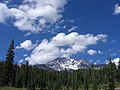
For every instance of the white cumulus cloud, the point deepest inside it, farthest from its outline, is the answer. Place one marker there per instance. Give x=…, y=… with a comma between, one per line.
x=117, y=9
x=27, y=45
x=91, y=52
x=63, y=45
x=33, y=15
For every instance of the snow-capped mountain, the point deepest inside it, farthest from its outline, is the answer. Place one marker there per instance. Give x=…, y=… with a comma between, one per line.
x=60, y=64
x=116, y=61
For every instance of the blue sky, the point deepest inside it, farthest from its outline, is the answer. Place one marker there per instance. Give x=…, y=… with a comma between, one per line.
x=49, y=19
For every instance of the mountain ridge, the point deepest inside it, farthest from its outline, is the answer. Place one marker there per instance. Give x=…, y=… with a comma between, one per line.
x=61, y=64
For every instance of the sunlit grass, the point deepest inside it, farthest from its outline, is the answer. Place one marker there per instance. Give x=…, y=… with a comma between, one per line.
x=11, y=88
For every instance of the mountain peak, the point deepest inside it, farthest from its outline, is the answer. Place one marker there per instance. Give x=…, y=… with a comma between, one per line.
x=60, y=64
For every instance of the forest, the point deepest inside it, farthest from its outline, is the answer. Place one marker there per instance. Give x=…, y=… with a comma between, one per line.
x=31, y=77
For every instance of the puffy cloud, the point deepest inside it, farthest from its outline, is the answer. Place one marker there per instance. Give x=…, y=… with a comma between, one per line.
x=33, y=15
x=91, y=52
x=74, y=39
x=44, y=53
x=117, y=10
x=4, y=13
x=26, y=45
x=62, y=45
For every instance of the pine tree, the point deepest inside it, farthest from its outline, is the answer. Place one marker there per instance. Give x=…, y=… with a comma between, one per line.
x=119, y=64
x=31, y=80
x=118, y=72
x=18, y=78
x=94, y=85
x=86, y=81
x=14, y=74
x=25, y=74
x=8, y=66
x=111, y=76
x=1, y=73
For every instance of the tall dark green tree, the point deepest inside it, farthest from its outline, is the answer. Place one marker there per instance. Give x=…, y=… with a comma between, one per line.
x=94, y=86
x=118, y=72
x=86, y=81
x=8, y=66
x=31, y=80
x=111, y=75
x=93, y=75
x=119, y=64
x=25, y=74
x=1, y=73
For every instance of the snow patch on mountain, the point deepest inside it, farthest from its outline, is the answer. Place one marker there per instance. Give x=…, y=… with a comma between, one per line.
x=60, y=64
x=116, y=61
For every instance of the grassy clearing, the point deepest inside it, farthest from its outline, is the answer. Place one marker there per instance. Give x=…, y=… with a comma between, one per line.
x=100, y=87
x=11, y=88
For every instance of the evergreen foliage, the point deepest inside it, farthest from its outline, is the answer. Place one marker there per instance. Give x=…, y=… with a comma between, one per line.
x=111, y=75
x=9, y=66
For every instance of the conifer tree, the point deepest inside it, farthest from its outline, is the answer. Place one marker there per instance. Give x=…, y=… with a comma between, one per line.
x=119, y=64
x=25, y=74
x=1, y=73
x=31, y=80
x=111, y=76
x=8, y=66
x=118, y=72
x=14, y=74
x=17, y=75
x=86, y=81
x=94, y=85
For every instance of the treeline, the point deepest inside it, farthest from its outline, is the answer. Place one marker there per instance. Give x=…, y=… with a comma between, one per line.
x=32, y=77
